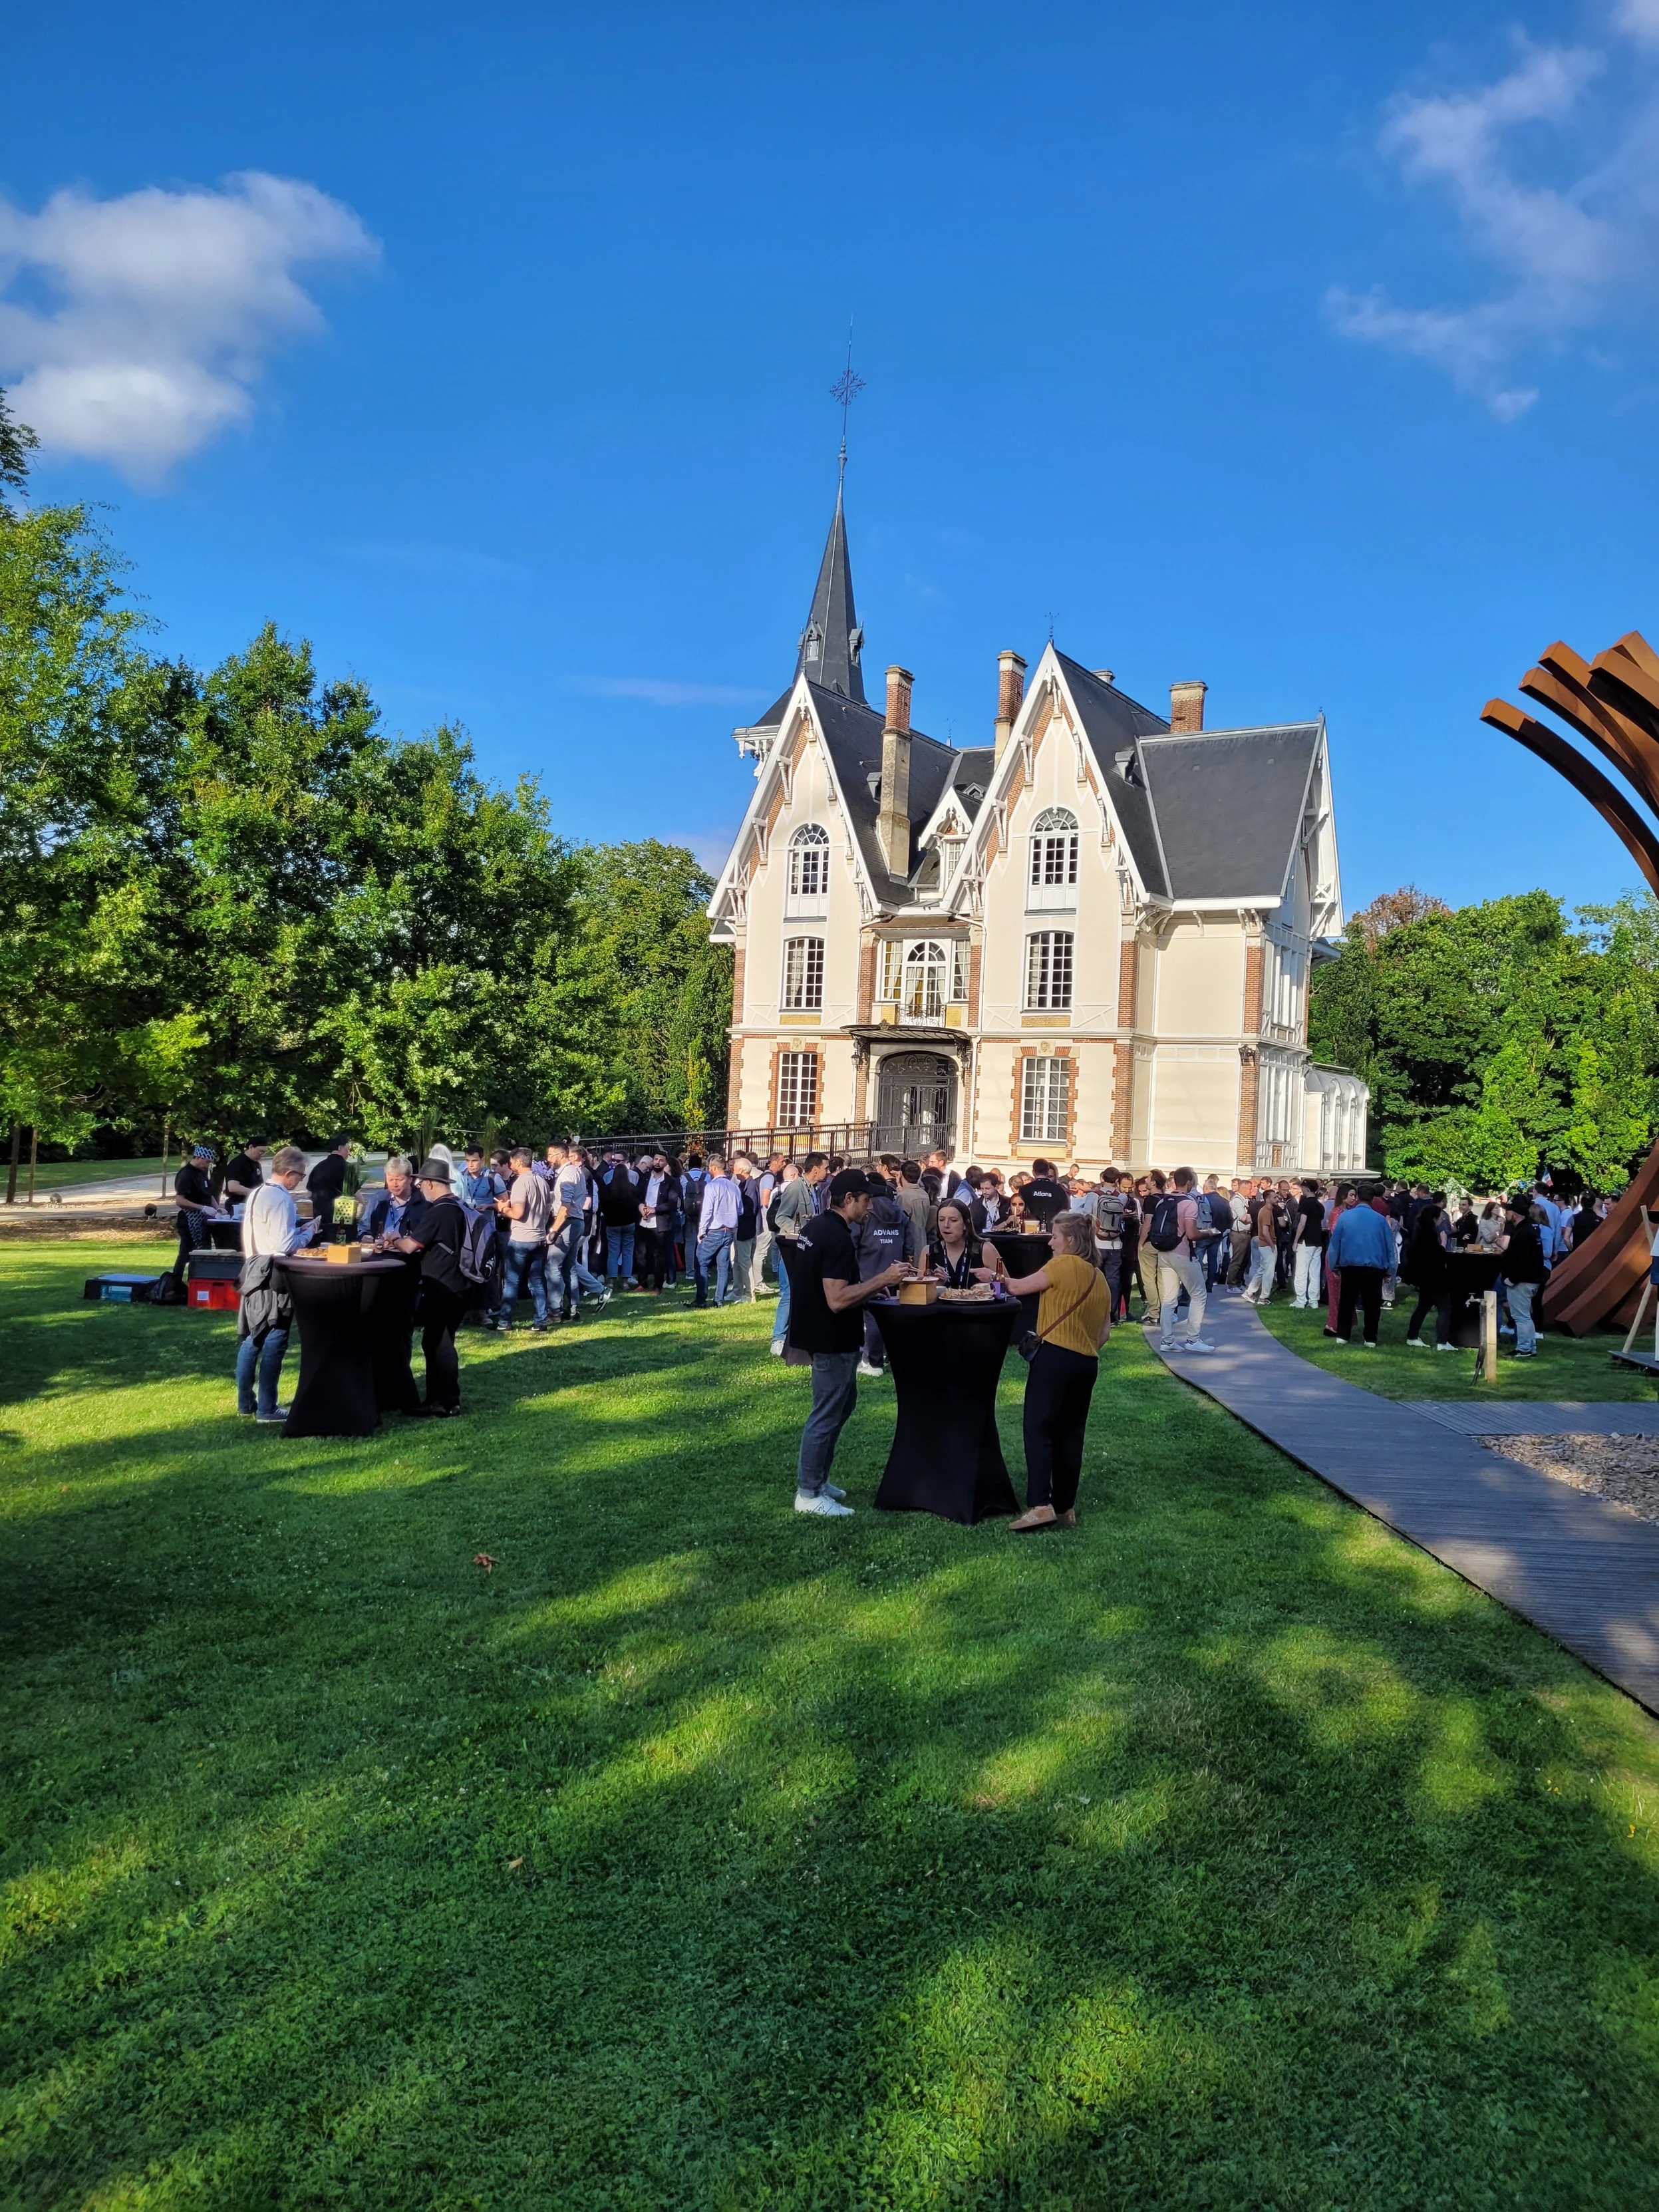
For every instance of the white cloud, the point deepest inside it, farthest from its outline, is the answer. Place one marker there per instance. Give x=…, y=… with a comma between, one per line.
x=1637, y=18
x=136, y=328
x=666, y=694
x=1566, y=251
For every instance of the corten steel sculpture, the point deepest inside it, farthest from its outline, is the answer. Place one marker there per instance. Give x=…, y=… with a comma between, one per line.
x=1612, y=703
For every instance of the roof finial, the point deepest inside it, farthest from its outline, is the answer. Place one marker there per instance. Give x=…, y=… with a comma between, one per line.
x=845, y=388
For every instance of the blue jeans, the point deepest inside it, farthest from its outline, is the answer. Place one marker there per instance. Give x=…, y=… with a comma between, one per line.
x=781, y=1319
x=715, y=1247
x=835, y=1394
x=619, y=1253
x=522, y=1259
x=264, y=1353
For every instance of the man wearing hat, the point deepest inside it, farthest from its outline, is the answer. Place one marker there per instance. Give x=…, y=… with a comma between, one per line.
x=825, y=1320
x=1523, y=1271
x=440, y=1227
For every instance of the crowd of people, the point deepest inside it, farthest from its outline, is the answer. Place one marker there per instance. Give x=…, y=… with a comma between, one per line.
x=572, y=1227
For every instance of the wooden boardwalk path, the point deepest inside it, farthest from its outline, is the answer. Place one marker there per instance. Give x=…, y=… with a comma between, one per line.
x=1541, y=1417
x=1577, y=1568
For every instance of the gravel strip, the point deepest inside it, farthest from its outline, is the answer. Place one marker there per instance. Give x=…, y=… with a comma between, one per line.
x=1624, y=1470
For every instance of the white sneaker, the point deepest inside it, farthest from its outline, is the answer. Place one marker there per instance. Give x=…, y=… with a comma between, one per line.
x=777, y=1347
x=1196, y=1344
x=1445, y=1347
x=831, y=1490
x=823, y=1505
x=865, y=1368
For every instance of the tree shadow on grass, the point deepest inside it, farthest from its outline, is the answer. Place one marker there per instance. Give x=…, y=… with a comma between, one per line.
x=1227, y=1852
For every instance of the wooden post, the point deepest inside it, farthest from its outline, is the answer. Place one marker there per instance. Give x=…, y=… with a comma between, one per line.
x=34, y=1149
x=1489, y=1337
x=11, y=1172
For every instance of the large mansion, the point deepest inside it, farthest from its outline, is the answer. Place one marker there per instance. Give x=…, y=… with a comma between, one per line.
x=1089, y=939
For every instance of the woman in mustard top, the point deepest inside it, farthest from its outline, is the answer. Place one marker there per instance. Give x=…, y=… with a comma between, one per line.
x=1073, y=1321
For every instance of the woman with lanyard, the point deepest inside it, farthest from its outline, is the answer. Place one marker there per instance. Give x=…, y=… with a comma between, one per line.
x=1073, y=1321
x=955, y=1252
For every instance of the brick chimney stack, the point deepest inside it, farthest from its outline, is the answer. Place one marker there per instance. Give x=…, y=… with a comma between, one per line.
x=1011, y=691
x=893, y=819
x=1187, y=707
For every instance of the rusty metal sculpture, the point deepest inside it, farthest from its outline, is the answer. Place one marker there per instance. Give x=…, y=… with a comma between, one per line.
x=1612, y=703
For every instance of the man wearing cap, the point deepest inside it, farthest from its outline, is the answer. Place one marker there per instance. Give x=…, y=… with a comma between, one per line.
x=442, y=1297
x=825, y=1320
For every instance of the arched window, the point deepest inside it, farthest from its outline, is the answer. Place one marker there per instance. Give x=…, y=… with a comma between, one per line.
x=809, y=868
x=1051, y=877
x=926, y=972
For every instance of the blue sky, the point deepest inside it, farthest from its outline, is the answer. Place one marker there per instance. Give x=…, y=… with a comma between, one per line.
x=1309, y=351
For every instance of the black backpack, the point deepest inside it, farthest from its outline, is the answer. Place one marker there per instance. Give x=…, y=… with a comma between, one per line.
x=477, y=1257
x=1163, y=1229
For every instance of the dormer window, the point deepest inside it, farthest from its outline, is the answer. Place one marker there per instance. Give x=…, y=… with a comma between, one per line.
x=812, y=646
x=1051, y=870
x=807, y=890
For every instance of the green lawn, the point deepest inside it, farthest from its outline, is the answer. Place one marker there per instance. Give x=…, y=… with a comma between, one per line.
x=1572, y=1368
x=61, y=1175
x=1229, y=1853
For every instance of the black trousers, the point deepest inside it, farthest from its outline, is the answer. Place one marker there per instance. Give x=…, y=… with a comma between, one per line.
x=1439, y=1303
x=653, y=1256
x=1057, y=1389
x=439, y=1316
x=1361, y=1287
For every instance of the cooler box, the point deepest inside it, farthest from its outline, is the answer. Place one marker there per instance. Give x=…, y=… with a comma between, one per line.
x=215, y=1282
x=117, y=1290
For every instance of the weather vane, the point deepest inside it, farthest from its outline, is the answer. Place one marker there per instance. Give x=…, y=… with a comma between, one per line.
x=845, y=388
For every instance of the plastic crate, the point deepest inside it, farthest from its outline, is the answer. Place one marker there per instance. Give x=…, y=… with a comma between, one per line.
x=116, y=1290
x=214, y=1296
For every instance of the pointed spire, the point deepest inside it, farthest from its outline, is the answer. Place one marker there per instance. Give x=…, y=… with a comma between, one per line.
x=831, y=643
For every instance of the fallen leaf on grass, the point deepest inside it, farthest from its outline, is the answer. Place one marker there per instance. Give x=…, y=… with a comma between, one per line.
x=483, y=1559
x=513, y=1862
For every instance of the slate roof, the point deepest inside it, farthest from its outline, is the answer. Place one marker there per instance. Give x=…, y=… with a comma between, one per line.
x=853, y=733
x=1228, y=807
x=1115, y=724
x=830, y=643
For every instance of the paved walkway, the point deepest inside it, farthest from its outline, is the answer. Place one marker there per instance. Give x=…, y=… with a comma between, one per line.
x=1579, y=1568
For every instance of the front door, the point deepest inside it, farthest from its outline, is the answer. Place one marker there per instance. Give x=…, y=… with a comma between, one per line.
x=915, y=1104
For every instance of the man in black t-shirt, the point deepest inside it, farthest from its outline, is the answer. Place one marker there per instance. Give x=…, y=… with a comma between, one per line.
x=245, y=1175
x=1308, y=1242
x=826, y=1320
x=325, y=1183
x=1044, y=1196
x=193, y=1194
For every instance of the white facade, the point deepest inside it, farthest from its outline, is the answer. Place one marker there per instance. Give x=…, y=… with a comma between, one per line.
x=1096, y=947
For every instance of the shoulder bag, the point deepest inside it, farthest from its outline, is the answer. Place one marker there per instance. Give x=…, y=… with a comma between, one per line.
x=1031, y=1343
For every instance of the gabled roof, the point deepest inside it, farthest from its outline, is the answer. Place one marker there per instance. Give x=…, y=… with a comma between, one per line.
x=1229, y=806
x=831, y=643
x=853, y=734
x=1115, y=724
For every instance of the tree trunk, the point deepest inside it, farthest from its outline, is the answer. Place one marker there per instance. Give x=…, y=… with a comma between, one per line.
x=167, y=1146
x=11, y=1171
x=34, y=1149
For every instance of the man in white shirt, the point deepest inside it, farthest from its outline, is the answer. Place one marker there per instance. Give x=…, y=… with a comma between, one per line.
x=271, y=1229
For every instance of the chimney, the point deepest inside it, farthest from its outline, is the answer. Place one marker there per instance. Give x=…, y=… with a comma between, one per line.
x=1187, y=707
x=893, y=818
x=1011, y=690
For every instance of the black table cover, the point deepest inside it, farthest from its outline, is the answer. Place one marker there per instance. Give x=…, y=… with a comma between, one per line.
x=1023, y=1255
x=1468, y=1275
x=350, y=1319
x=946, y=1456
